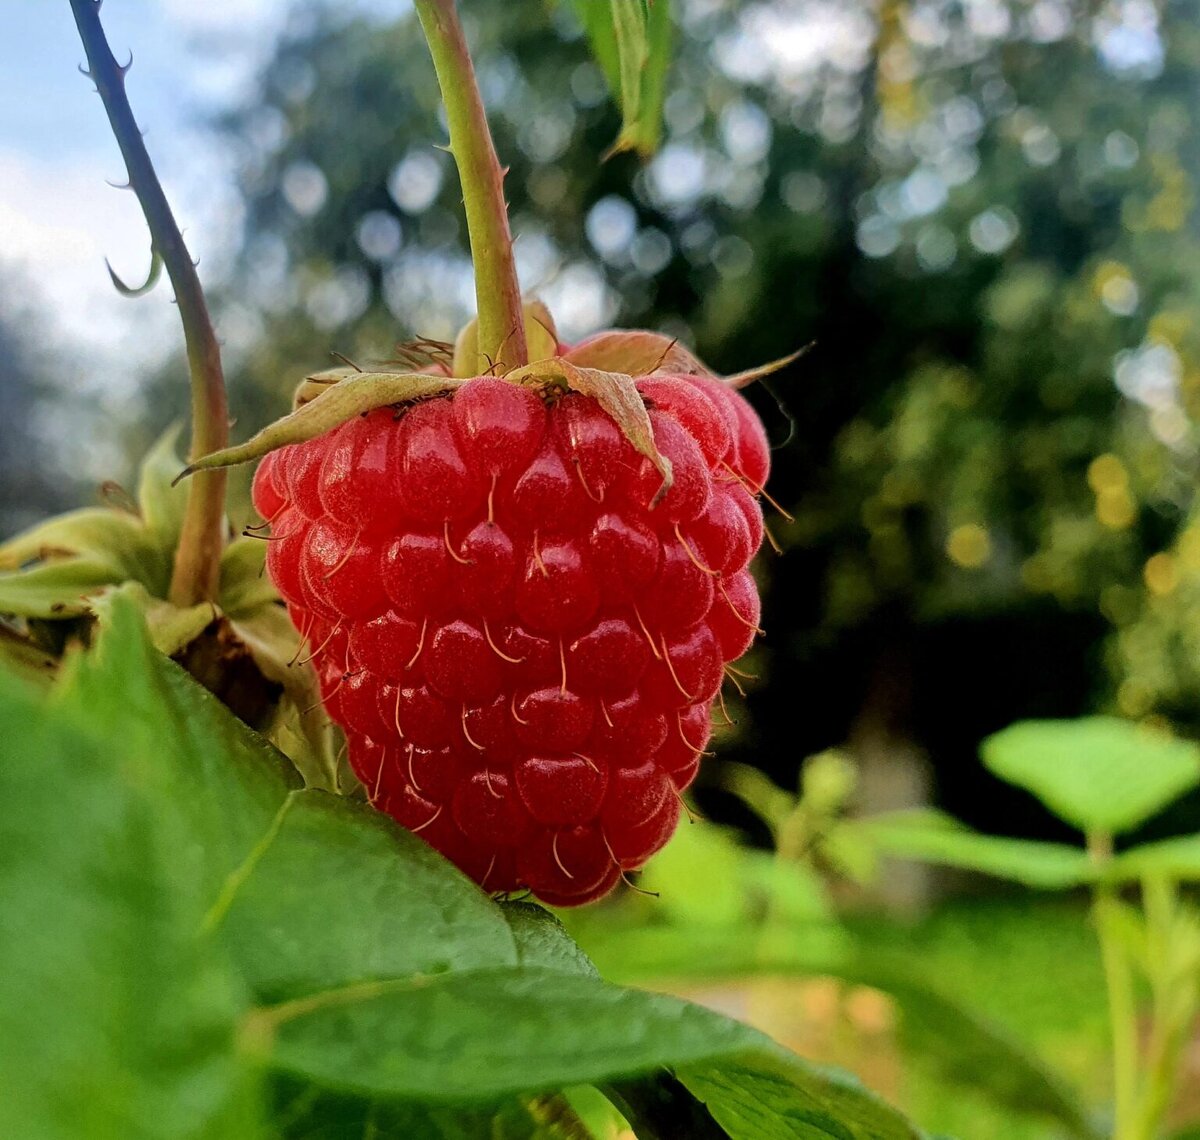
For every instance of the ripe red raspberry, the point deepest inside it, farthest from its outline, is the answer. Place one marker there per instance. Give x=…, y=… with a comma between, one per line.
x=522, y=651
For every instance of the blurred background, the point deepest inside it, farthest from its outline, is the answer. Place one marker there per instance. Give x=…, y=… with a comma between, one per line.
x=981, y=211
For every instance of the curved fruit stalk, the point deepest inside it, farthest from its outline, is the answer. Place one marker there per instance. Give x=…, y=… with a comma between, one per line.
x=501, y=337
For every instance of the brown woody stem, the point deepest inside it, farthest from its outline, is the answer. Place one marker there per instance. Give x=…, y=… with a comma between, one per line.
x=502, y=342
x=196, y=573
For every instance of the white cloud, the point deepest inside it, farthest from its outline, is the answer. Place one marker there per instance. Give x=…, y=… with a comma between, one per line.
x=223, y=15
x=60, y=221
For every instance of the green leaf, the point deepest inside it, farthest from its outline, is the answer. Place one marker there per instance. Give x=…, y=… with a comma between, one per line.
x=118, y=1020
x=395, y=978
x=1098, y=773
x=631, y=40
x=377, y=903
x=933, y=837
x=1177, y=858
x=542, y=942
x=487, y=1035
x=228, y=782
x=774, y=1097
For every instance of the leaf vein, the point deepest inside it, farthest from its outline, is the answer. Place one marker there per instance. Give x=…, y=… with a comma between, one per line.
x=238, y=876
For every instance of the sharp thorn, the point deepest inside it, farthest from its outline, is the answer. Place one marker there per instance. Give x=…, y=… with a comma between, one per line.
x=119, y=185
x=123, y=68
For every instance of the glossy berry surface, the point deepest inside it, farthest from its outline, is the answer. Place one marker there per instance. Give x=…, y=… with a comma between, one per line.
x=523, y=653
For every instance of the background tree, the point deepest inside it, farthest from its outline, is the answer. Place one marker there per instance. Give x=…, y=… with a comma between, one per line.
x=36, y=478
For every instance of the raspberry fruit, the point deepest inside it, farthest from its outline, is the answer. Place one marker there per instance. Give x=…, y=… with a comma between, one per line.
x=522, y=650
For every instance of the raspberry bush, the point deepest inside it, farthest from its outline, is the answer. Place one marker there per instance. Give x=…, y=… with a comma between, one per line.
x=520, y=639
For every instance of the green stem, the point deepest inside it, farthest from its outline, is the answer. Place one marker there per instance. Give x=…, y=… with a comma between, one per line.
x=498, y=296
x=1122, y=1005
x=1173, y=1011
x=196, y=573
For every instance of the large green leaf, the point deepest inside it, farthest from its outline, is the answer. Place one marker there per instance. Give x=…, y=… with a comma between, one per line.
x=225, y=778
x=1098, y=773
x=933, y=837
x=336, y=893
x=116, y=1017
x=771, y=1097
x=486, y=1035
x=542, y=942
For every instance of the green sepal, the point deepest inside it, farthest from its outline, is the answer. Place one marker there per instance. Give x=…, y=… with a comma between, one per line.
x=636, y=352
x=346, y=394
x=105, y=536
x=56, y=589
x=244, y=586
x=162, y=504
x=541, y=339
x=300, y=728
x=171, y=629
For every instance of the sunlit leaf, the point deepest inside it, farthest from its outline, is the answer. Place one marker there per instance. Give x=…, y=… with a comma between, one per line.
x=1098, y=773
x=227, y=780
x=335, y=893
